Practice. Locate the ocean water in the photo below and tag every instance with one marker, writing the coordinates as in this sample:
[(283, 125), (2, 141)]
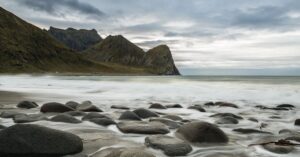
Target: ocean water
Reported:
[(139, 91)]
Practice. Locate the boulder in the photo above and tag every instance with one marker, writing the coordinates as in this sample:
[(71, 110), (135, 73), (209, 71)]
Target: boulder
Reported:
[(103, 121), (227, 120), (27, 105), (55, 108), (123, 152), (272, 108), (278, 149), (221, 115), (2, 127), (197, 107), (173, 117), (253, 120), (35, 141), (294, 138), (72, 104), (170, 123), (201, 132), (286, 106), (120, 107), (76, 113), (128, 115), (93, 115), (157, 106), (87, 106), (169, 145), (174, 106), (250, 131), (226, 104), (140, 127), (65, 118), (297, 122), (23, 118), (10, 114), (208, 104), (144, 113)]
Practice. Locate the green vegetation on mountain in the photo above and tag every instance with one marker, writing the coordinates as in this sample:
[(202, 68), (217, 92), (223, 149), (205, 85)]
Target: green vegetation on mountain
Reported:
[(77, 40)]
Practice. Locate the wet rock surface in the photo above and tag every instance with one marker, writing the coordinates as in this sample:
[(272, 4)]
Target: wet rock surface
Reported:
[(128, 115), (140, 127), (65, 118), (55, 107), (27, 105), (144, 113)]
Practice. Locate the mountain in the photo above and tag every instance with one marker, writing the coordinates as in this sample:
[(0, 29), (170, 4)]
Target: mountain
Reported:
[(160, 58), (116, 49), (119, 50), (77, 40)]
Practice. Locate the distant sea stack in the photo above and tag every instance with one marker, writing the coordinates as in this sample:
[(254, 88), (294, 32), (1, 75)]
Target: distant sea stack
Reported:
[(77, 40)]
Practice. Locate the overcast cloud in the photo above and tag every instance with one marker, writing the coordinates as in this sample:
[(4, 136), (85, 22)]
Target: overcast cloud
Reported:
[(203, 34)]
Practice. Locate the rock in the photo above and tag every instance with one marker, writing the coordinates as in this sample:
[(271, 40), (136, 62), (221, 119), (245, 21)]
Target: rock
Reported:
[(144, 113), (253, 120), (34, 140), (10, 114), (286, 106), (173, 117), (169, 145), (275, 117), (65, 118), (220, 154), (76, 113), (2, 127), (250, 131), (55, 108), (272, 108), (294, 138), (197, 107), (174, 106), (226, 104), (201, 132), (72, 104), (278, 149), (27, 105), (120, 107), (171, 124), (29, 118), (285, 131), (123, 152), (87, 106), (297, 122), (227, 120), (93, 115), (157, 106), (128, 115), (209, 104), (103, 121), (140, 127), (221, 115)]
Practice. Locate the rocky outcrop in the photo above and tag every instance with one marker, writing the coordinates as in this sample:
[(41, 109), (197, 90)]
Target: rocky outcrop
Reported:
[(77, 40)]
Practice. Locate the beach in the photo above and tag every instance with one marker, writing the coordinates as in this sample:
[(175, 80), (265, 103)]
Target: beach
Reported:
[(246, 109)]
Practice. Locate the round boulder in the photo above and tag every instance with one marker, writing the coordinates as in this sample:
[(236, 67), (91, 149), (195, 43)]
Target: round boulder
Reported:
[(278, 149), (10, 114), (170, 123), (169, 145), (55, 108), (140, 127), (144, 113), (157, 106), (297, 122), (87, 106), (226, 104), (93, 115), (103, 121), (227, 120), (120, 107), (201, 132), (65, 118), (23, 118), (72, 104), (174, 106), (197, 107), (27, 105), (76, 113), (34, 140), (173, 117), (128, 115)]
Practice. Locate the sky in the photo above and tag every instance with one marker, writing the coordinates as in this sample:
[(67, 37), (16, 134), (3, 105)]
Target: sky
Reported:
[(234, 37)]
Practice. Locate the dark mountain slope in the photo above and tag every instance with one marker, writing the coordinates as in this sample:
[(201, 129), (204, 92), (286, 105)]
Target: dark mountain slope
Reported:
[(77, 40)]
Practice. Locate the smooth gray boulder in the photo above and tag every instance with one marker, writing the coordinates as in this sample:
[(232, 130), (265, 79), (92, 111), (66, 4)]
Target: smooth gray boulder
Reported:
[(278, 149), (226, 120), (120, 107), (297, 122), (169, 145), (65, 118), (201, 132), (72, 104), (170, 123), (174, 106), (10, 114), (141, 127), (55, 107), (250, 131), (35, 141), (144, 113), (220, 115), (29, 118), (129, 115), (87, 106), (76, 113), (157, 106), (173, 117), (103, 121), (27, 105), (198, 108), (93, 115)]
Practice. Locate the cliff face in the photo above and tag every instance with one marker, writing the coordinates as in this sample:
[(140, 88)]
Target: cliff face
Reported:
[(160, 59), (116, 49), (77, 40)]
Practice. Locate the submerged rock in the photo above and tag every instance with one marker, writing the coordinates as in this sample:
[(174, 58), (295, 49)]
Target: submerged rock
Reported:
[(10, 114), (140, 127), (297, 122), (76, 113), (87, 106), (286, 106), (201, 132), (197, 107), (55, 108), (65, 118), (23, 118), (123, 152), (227, 120), (103, 121), (250, 131), (2, 127), (157, 106), (209, 104), (120, 107), (34, 140), (221, 115), (72, 104), (144, 113), (27, 105), (93, 115), (278, 149), (226, 104), (253, 120), (169, 145), (128, 115), (174, 106), (173, 117), (170, 123)]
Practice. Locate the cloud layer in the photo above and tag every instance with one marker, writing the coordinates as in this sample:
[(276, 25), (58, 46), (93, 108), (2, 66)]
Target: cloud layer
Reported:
[(206, 34)]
